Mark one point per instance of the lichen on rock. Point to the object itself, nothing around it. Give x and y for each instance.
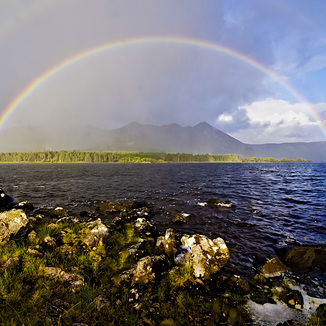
(10, 223)
(206, 256)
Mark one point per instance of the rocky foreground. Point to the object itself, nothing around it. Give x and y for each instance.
(59, 269)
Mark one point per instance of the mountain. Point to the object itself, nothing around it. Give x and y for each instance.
(173, 138)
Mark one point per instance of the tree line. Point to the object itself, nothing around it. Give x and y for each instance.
(112, 157)
(126, 157)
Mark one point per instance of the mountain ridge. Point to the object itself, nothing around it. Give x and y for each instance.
(171, 138)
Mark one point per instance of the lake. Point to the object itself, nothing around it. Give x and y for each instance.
(274, 204)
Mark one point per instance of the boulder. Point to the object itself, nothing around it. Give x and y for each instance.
(149, 269)
(237, 285)
(298, 257)
(206, 256)
(49, 242)
(180, 217)
(145, 228)
(32, 237)
(97, 235)
(11, 264)
(262, 297)
(139, 250)
(101, 302)
(10, 223)
(135, 213)
(34, 253)
(25, 205)
(60, 212)
(5, 200)
(67, 219)
(66, 249)
(320, 260)
(167, 244)
(52, 273)
(294, 299)
(115, 207)
(218, 203)
(259, 260)
(273, 268)
(72, 280)
(54, 309)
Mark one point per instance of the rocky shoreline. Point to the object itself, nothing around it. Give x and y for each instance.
(57, 268)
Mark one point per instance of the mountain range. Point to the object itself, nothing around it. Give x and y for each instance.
(173, 138)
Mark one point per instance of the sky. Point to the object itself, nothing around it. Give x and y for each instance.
(255, 69)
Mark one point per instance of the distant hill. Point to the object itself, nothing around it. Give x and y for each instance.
(173, 138)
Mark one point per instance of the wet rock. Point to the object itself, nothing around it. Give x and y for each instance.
(13, 263)
(180, 217)
(262, 297)
(98, 234)
(259, 260)
(25, 205)
(320, 260)
(255, 211)
(218, 203)
(300, 257)
(135, 213)
(42, 213)
(115, 207)
(101, 302)
(294, 299)
(11, 222)
(149, 269)
(273, 268)
(206, 256)
(5, 200)
(237, 285)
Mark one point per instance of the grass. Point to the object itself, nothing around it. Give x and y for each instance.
(26, 295)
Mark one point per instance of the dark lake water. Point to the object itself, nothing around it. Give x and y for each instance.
(291, 198)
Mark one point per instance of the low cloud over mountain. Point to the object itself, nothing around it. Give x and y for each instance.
(173, 138)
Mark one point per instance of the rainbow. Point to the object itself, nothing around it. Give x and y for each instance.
(152, 40)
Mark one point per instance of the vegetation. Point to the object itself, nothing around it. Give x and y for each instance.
(127, 157)
(272, 160)
(28, 297)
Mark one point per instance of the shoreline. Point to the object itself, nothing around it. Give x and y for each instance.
(90, 271)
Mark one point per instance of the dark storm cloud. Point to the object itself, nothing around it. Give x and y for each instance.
(154, 83)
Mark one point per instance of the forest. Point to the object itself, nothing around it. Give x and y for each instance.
(112, 157)
(128, 157)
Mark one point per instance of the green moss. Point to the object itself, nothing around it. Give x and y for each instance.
(25, 294)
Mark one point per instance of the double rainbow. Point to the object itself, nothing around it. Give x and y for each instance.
(36, 83)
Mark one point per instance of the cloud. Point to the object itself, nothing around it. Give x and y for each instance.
(166, 83)
(279, 121)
